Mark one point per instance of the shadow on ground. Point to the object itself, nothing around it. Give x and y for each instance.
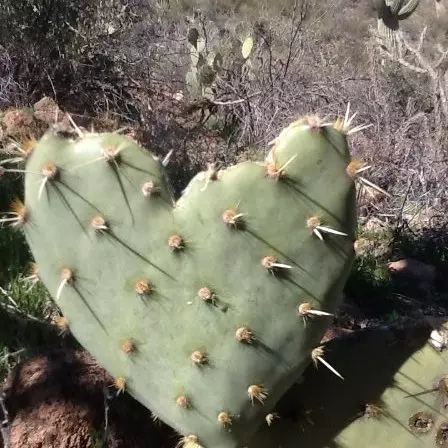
(324, 411)
(57, 399)
(420, 285)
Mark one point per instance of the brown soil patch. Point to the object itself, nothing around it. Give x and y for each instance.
(57, 400)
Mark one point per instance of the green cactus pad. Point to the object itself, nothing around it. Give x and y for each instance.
(247, 46)
(390, 13)
(402, 8)
(190, 303)
(394, 395)
(193, 37)
(408, 8)
(193, 83)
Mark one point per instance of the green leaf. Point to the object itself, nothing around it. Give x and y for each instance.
(246, 49)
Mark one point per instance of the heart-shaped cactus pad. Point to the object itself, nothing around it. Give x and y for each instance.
(205, 309)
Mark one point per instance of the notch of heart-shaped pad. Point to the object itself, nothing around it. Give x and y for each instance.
(205, 309)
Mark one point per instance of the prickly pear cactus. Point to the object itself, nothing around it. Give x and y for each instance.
(207, 309)
(207, 64)
(390, 13)
(394, 394)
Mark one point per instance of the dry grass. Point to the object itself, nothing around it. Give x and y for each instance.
(316, 60)
(10, 91)
(310, 57)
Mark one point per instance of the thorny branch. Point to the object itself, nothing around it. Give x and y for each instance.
(107, 398)
(413, 58)
(298, 16)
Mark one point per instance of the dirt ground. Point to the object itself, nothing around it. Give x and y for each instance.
(57, 400)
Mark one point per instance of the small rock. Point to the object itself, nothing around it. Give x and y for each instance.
(374, 224)
(18, 122)
(415, 270)
(47, 111)
(438, 339)
(335, 332)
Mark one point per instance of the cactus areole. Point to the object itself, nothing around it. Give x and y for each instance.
(160, 291)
